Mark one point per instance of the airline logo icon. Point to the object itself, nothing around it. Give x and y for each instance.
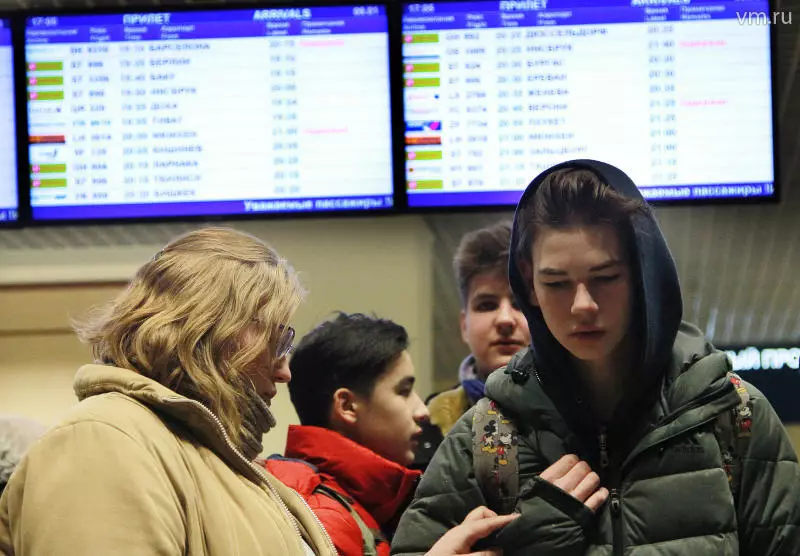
(431, 126)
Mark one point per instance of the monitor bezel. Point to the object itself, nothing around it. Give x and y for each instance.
(22, 205)
(19, 24)
(774, 199)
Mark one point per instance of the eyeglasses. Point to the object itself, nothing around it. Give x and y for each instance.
(285, 342)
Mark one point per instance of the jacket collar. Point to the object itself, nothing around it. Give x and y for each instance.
(381, 486)
(93, 380)
(466, 370)
(695, 379)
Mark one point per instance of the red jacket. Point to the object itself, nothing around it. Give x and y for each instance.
(379, 489)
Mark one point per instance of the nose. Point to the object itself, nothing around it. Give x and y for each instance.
(505, 318)
(583, 302)
(282, 372)
(421, 413)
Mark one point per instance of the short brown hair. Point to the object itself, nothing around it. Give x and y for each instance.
(573, 197)
(180, 319)
(480, 252)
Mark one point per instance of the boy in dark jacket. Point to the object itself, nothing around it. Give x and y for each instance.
(615, 378)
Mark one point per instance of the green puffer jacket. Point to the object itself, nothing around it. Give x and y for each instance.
(658, 453)
(674, 497)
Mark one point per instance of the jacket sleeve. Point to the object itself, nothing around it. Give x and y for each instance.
(89, 488)
(769, 498)
(551, 521)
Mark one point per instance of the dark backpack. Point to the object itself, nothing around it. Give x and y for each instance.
(495, 443)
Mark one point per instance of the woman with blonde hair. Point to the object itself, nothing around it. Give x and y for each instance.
(156, 458)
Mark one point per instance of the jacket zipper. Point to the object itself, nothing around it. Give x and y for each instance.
(263, 476)
(616, 500)
(616, 523)
(603, 442)
(698, 402)
(711, 396)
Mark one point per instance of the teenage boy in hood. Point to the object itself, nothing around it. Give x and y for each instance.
(353, 388)
(615, 378)
(491, 323)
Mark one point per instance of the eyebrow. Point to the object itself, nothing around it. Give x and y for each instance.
(556, 272)
(484, 295)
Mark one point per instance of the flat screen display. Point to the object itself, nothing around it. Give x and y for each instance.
(197, 113)
(9, 202)
(678, 94)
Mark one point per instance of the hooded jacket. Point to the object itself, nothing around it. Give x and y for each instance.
(136, 469)
(669, 493)
(378, 489)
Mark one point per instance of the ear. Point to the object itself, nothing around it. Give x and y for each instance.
(344, 408)
(464, 326)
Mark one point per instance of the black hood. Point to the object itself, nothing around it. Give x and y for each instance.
(657, 307)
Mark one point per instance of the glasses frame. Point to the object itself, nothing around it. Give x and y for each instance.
(285, 345)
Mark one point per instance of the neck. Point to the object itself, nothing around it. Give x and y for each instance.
(606, 381)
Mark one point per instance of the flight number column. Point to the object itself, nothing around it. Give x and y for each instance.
(454, 115)
(92, 92)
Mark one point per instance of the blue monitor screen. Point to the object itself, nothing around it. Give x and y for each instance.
(225, 112)
(678, 94)
(9, 203)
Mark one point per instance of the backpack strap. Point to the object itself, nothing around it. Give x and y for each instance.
(495, 456)
(733, 429)
(370, 537)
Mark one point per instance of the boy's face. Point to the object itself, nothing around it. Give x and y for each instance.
(582, 284)
(491, 324)
(388, 422)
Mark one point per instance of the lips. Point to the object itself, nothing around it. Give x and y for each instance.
(588, 333)
(510, 343)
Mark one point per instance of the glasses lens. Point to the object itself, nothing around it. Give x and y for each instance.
(285, 342)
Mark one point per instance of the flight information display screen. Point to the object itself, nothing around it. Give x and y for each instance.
(197, 113)
(9, 203)
(676, 93)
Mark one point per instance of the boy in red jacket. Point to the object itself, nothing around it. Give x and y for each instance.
(353, 388)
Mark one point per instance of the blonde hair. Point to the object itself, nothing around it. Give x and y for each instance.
(181, 319)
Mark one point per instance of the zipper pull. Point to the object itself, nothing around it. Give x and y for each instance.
(615, 502)
(603, 441)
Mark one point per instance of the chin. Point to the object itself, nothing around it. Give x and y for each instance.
(588, 355)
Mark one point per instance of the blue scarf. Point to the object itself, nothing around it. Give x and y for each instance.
(474, 388)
